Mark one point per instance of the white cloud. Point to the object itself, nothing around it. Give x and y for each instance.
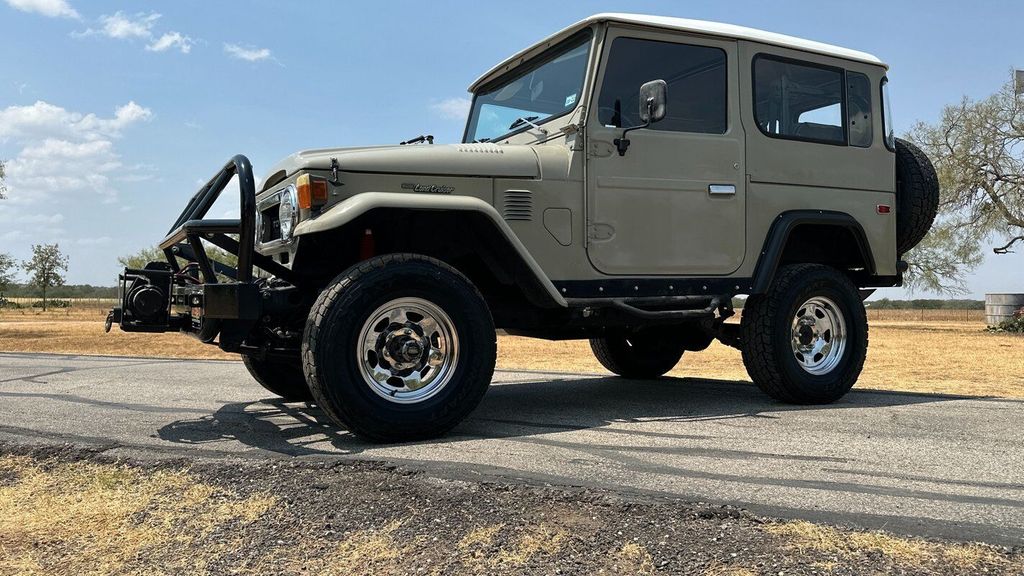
(139, 26)
(65, 152)
(247, 53)
(452, 108)
(50, 8)
(97, 241)
(52, 219)
(44, 120)
(123, 26)
(171, 40)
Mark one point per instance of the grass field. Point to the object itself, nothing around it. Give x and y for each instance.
(940, 354)
(73, 515)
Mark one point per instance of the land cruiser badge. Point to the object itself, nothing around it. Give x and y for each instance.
(428, 188)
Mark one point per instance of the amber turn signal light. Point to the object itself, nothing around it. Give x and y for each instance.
(312, 191)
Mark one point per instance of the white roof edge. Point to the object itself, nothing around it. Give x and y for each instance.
(698, 27)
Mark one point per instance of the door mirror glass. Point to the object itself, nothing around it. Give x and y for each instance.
(653, 101)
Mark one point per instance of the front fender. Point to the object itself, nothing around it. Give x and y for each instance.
(352, 208)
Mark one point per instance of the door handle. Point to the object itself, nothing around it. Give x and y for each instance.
(721, 189)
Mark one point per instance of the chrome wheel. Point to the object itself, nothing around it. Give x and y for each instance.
(818, 335)
(408, 350)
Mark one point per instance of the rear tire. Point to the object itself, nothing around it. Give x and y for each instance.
(399, 347)
(281, 376)
(805, 340)
(648, 353)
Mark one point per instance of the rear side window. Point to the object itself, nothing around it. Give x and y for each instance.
(799, 101)
(696, 78)
(888, 133)
(858, 109)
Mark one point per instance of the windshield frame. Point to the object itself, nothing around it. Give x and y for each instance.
(584, 37)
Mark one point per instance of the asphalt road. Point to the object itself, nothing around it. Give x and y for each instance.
(916, 464)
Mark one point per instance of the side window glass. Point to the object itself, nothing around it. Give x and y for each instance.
(858, 109)
(696, 78)
(799, 101)
(887, 130)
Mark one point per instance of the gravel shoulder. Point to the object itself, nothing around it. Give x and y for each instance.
(343, 517)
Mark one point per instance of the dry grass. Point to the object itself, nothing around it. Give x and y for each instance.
(541, 540)
(388, 550)
(88, 518)
(83, 518)
(633, 559)
(849, 545)
(80, 331)
(950, 357)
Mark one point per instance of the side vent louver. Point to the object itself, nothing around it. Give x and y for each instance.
(518, 205)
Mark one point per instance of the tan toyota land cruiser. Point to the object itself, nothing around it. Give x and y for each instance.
(621, 181)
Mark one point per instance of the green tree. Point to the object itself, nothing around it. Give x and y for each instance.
(141, 258)
(146, 255)
(46, 268)
(7, 268)
(978, 151)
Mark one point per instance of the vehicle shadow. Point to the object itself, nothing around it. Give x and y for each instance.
(519, 409)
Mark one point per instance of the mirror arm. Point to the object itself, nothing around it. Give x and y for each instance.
(622, 144)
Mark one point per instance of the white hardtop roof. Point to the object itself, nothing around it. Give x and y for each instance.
(697, 27)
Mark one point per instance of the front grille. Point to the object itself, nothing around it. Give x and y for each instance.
(270, 224)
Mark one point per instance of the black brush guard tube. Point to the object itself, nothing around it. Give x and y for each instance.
(191, 227)
(213, 306)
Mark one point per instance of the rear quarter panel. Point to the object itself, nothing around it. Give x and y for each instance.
(785, 175)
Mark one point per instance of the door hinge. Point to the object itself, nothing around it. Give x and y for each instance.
(601, 231)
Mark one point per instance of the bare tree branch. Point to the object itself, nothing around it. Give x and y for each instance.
(1005, 249)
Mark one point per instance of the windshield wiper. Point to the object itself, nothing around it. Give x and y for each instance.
(428, 138)
(528, 120)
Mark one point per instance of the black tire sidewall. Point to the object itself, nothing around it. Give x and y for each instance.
(281, 376)
(654, 351)
(340, 387)
(814, 388)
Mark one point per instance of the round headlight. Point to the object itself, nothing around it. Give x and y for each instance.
(288, 212)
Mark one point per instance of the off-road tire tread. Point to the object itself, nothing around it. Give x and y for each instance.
(279, 378)
(756, 333)
(480, 372)
(628, 366)
(917, 196)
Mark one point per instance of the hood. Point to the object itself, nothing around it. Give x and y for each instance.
(484, 159)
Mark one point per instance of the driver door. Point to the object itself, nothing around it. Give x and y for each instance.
(674, 203)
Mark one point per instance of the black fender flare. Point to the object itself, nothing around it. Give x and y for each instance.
(779, 233)
(539, 287)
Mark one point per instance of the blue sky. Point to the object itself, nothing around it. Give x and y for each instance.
(111, 113)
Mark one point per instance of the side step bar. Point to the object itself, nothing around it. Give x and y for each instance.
(688, 314)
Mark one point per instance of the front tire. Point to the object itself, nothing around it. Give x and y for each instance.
(645, 354)
(399, 347)
(805, 340)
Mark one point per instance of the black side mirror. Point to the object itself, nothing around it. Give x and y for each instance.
(653, 106)
(653, 101)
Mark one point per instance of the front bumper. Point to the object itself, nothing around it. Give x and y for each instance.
(203, 297)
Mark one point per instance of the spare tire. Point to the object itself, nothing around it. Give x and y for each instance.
(917, 195)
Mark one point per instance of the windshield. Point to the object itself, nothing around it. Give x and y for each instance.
(547, 89)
